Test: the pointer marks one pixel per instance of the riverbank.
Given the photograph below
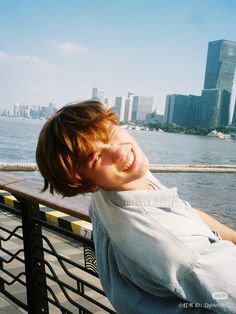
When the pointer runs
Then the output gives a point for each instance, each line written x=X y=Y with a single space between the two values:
x=173 y=128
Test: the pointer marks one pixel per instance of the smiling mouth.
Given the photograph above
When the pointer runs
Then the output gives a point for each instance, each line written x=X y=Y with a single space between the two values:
x=130 y=162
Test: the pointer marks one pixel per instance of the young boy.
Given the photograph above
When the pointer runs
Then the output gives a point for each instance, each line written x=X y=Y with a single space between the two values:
x=155 y=253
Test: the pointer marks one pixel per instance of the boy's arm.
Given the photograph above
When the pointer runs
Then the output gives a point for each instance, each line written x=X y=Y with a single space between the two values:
x=225 y=232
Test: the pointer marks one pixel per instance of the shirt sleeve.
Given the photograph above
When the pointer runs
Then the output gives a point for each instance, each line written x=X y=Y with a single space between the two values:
x=211 y=283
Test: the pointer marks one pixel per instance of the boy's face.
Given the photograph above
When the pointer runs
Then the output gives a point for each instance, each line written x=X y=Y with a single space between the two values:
x=117 y=165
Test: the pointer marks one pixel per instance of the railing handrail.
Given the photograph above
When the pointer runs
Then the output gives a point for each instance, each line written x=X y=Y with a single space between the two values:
x=31 y=190
x=193 y=168
x=216 y=168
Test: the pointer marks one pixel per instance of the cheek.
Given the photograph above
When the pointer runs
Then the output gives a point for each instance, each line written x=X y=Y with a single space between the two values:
x=108 y=177
x=106 y=171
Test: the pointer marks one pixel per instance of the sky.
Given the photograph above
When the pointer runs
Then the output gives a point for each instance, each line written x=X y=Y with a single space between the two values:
x=58 y=50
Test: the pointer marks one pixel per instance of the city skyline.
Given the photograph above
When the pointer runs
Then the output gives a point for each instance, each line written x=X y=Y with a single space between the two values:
x=212 y=108
x=57 y=52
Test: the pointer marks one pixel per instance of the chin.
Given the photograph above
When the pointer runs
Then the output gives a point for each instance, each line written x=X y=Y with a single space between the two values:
x=143 y=170
x=145 y=164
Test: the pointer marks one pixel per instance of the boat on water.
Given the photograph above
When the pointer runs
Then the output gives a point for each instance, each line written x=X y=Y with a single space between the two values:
x=217 y=134
x=144 y=128
x=136 y=127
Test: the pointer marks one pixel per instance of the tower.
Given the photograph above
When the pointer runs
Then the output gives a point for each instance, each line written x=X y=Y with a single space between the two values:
x=234 y=115
x=120 y=107
x=142 y=105
x=98 y=94
x=128 y=107
x=219 y=76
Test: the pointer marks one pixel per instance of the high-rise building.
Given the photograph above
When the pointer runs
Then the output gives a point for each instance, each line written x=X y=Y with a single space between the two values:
x=234 y=115
x=120 y=107
x=98 y=94
x=182 y=110
x=195 y=103
x=214 y=107
x=107 y=102
x=142 y=105
x=128 y=107
x=220 y=66
x=176 y=109
x=219 y=76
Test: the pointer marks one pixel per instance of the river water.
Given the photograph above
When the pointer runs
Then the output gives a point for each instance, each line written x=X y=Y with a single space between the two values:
x=215 y=193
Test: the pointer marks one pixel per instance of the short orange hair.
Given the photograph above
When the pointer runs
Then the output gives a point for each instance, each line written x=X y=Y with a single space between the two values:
x=64 y=144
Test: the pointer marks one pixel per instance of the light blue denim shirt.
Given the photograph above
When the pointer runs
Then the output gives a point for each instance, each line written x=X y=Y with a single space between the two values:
x=156 y=255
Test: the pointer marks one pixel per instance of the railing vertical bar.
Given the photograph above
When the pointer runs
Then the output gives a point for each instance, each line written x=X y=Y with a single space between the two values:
x=2 y=286
x=35 y=269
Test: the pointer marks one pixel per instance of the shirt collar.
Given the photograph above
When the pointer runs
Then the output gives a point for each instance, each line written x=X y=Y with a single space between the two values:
x=161 y=198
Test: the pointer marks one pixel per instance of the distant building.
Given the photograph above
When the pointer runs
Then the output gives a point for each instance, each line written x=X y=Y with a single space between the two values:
x=176 y=109
x=215 y=108
x=220 y=65
x=107 y=102
x=195 y=105
x=35 y=112
x=128 y=107
x=234 y=115
x=98 y=94
x=26 y=111
x=120 y=107
x=219 y=76
x=21 y=110
x=131 y=94
x=155 y=116
x=16 y=109
x=142 y=105
x=182 y=110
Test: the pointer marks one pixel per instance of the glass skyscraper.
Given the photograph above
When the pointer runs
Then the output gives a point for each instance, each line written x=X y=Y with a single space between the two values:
x=182 y=110
x=220 y=67
x=219 y=76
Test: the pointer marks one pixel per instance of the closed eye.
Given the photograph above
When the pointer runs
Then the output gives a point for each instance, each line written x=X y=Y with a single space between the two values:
x=96 y=159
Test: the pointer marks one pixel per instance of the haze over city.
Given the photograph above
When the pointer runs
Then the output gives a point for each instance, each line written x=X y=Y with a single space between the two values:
x=57 y=51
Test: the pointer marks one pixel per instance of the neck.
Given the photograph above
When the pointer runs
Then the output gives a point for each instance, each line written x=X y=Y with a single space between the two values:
x=139 y=184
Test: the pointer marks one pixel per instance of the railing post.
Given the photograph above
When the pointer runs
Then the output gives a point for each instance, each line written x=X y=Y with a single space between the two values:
x=2 y=286
x=34 y=259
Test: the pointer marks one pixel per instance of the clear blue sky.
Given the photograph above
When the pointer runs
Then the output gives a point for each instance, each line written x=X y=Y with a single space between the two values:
x=58 y=50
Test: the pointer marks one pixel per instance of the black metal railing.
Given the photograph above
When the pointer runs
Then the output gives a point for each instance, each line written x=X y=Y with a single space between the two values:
x=45 y=268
